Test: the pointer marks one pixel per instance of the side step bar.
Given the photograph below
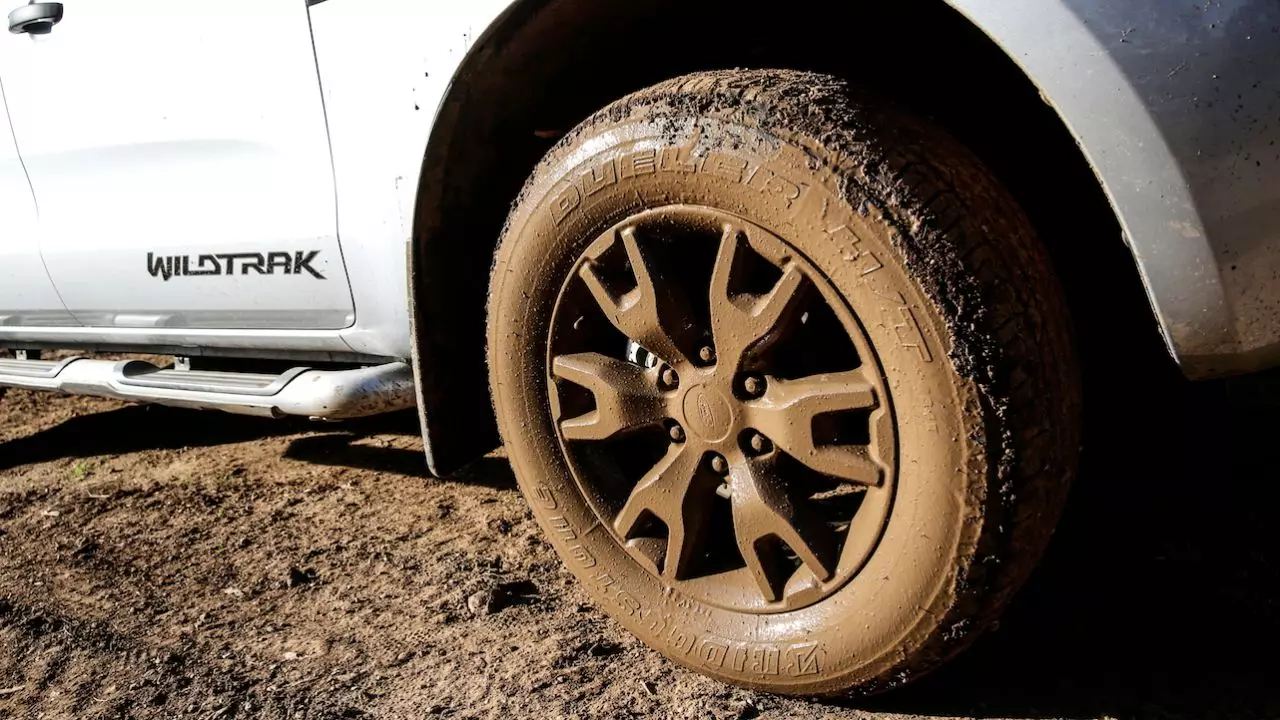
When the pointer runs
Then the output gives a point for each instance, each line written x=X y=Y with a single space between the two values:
x=320 y=394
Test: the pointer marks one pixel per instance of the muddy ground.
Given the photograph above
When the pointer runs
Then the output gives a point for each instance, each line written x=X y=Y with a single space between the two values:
x=164 y=563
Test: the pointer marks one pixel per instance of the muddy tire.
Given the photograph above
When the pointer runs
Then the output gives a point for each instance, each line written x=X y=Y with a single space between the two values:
x=786 y=378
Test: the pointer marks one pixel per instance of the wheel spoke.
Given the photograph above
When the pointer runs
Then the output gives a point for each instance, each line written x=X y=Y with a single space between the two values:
x=677 y=492
x=741 y=322
x=763 y=513
x=627 y=396
x=786 y=413
x=654 y=314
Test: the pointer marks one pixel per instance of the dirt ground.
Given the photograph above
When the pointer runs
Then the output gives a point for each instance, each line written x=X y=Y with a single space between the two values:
x=164 y=563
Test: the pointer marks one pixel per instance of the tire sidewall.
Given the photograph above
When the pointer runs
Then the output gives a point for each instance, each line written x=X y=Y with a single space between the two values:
x=611 y=171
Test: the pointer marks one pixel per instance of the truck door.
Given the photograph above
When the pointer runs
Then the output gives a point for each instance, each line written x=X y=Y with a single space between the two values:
x=179 y=155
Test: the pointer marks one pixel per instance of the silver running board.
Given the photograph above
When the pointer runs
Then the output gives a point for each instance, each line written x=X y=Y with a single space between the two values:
x=321 y=394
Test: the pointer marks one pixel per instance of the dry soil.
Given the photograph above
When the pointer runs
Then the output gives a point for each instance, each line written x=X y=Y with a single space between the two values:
x=159 y=563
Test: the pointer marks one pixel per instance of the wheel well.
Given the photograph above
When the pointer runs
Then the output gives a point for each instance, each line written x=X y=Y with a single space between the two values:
x=546 y=65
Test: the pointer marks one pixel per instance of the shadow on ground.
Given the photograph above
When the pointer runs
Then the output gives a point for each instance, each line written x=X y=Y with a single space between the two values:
x=1156 y=597
x=151 y=427
x=342 y=450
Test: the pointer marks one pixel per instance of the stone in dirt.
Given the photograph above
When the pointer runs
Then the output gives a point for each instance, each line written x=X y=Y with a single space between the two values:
x=483 y=602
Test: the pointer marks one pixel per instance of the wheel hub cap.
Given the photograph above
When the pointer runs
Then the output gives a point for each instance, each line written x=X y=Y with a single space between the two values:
x=708 y=413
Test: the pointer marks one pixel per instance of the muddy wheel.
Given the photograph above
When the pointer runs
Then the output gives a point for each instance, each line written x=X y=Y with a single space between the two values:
x=786 y=378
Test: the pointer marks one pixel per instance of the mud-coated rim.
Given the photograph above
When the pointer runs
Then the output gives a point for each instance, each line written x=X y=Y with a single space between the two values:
x=746 y=453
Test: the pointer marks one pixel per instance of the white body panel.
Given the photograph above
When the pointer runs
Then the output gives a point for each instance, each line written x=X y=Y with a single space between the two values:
x=187 y=129
x=27 y=296
x=383 y=83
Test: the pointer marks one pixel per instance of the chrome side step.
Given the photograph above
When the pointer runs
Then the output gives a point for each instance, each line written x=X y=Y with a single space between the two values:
x=321 y=394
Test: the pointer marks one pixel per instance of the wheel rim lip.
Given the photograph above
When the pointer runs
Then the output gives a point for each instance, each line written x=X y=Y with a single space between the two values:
x=871 y=517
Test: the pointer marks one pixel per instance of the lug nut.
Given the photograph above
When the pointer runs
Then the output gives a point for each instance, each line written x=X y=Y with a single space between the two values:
x=707 y=354
x=759 y=444
x=754 y=385
x=719 y=464
x=676 y=433
x=669 y=379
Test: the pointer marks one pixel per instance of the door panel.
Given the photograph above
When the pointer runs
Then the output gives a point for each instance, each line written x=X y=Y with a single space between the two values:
x=27 y=296
x=179 y=156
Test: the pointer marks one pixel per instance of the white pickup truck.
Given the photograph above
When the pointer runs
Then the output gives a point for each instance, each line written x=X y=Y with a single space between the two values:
x=762 y=300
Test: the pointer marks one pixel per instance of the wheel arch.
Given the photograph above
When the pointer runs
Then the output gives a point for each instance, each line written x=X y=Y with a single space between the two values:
x=542 y=66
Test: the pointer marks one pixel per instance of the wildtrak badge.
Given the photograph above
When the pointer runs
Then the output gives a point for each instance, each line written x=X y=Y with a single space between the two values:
x=270 y=263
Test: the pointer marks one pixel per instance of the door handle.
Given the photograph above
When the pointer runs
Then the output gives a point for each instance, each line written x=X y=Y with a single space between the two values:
x=35 y=18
